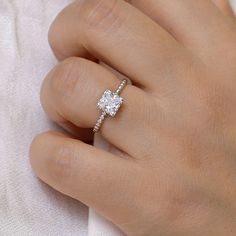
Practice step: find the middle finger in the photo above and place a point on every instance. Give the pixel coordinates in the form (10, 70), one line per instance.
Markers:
(122, 36)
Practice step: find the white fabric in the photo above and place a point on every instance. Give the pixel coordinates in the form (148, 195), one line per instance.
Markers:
(233, 3)
(27, 206)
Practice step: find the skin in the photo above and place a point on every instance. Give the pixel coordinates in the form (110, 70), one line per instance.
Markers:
(171, 169)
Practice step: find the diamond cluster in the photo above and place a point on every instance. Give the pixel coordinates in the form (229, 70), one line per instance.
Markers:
(110, 103)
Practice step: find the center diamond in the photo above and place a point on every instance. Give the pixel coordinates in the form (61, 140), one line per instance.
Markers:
(110, 103)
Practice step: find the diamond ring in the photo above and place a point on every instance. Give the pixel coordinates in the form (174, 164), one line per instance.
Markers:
(109, 104)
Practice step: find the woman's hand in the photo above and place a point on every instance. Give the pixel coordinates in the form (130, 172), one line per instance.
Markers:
(172, 166)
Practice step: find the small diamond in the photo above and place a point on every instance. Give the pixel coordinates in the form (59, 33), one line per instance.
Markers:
(110, 102)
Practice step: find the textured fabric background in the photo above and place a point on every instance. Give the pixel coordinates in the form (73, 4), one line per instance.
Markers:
(27, 206)
(233, 3)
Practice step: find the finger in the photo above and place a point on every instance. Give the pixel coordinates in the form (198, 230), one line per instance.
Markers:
(71, 92)
(95, 177)
(225, 7)
(199, 25)
(117, 33)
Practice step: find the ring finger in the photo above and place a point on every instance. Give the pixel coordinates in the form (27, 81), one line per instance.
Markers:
(71, 91)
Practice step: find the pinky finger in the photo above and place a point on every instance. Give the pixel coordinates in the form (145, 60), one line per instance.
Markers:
(97, 178)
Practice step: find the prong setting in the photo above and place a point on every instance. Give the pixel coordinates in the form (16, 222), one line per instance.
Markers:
(109, 104)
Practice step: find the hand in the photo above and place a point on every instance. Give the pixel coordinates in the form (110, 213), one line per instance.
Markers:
(172, 166)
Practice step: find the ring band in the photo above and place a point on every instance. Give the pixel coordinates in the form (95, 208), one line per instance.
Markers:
(109, 104)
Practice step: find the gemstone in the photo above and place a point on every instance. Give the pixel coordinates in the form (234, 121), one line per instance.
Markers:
(110, 103)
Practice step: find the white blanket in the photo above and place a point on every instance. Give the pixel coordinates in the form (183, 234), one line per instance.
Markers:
(28, 206)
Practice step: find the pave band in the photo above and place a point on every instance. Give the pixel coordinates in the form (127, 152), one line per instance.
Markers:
(109, 104)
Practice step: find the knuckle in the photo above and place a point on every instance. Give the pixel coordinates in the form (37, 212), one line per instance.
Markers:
(55, 36)
(62, 165)
(65, 78)
(41, 141)
(52, 39)
(103, 15)
(36, 144)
